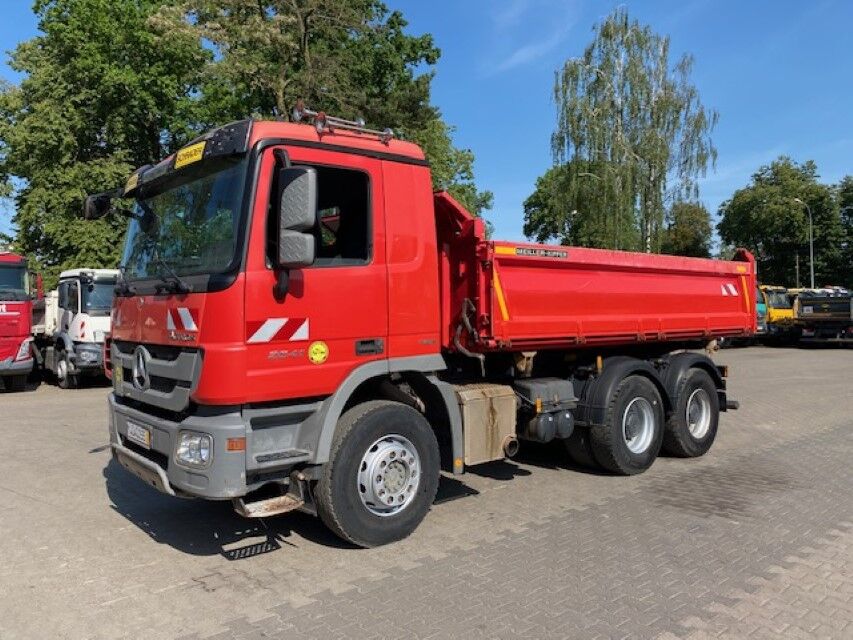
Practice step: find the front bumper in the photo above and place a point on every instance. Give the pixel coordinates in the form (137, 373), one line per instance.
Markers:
(9, 367)
(88, 357)
(224, 477)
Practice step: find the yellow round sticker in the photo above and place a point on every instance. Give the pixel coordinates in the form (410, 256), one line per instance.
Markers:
(318, 352)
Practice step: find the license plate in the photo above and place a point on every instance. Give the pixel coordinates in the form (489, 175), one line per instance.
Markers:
(139, 435)
(808, 310)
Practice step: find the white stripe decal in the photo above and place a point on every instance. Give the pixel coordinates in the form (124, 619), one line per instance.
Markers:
(187, 319)
(267, 330)
(301, 332)
(723, 290)
(170, 323)
(732, 289)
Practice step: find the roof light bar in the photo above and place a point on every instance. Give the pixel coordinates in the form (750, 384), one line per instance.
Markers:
(324, 123)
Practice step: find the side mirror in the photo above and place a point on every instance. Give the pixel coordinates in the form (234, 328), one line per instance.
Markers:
(97, 206)
(297, 198)
(297, 216)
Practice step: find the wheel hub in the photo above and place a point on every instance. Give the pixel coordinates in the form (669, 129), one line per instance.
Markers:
(698, 413)
(638, 425)
(389, 475)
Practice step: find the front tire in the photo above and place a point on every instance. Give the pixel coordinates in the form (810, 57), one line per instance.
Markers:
(630, 438)
(64, 378)
(692, 427)
(382, 474)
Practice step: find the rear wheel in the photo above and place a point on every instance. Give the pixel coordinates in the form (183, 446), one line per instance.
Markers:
(692, 427)
(630, 438)
(382, 474)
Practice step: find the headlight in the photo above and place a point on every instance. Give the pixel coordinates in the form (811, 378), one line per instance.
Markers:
(24, 350)
(194, 449)
(88, 356)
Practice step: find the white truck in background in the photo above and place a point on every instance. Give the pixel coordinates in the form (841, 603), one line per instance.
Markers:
(69, 330)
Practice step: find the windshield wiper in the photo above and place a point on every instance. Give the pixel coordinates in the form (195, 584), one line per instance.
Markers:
(172, 282)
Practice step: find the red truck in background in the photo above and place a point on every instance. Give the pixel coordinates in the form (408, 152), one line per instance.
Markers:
(301, 323)
(16, 317)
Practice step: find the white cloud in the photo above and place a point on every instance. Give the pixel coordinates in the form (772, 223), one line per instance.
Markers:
(529, 52)
(524, 17)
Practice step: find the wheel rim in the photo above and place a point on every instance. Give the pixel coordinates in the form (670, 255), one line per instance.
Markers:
(638, 425)
(698, 413)
(388, 475)
(62, 369)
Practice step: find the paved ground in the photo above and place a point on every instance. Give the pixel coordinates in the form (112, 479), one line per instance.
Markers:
(754, 540)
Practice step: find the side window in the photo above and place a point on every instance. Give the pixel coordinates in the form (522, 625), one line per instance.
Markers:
(62, 296)
(343, 203)
(343, 230)
(73, 297)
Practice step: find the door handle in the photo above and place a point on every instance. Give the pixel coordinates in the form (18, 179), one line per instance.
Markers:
(369, 347)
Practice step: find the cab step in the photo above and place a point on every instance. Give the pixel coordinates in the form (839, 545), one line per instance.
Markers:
(268, 507)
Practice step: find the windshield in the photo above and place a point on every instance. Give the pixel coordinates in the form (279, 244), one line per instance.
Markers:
(778, 300)
(14, 284)
(98, 296)
(191, 227)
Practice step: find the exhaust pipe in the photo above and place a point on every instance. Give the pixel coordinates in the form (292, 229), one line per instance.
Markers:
(510, 446)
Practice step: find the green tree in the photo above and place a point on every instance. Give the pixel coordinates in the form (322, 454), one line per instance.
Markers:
(110, 85)
(351, 58)
(563, 208)
(845, 205)
(102, 93)
(625, 110)
(688, 231)
(766, 218)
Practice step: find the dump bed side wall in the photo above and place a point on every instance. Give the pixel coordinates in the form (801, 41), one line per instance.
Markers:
(545, 296)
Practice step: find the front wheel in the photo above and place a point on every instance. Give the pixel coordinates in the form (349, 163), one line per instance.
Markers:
(630, 438)
(692, 427)
(64, 378)
(382, 474)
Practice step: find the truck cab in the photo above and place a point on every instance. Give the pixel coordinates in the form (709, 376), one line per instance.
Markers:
(77, 318)
(760, 314)
(780, 312)
(16, 308)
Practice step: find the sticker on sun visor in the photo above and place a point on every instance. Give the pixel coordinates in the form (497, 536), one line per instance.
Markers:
(131, 183)
(190, 154)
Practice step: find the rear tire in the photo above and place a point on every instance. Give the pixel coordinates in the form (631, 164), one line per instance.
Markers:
(692, 427)
(382, 451)
(630, 438)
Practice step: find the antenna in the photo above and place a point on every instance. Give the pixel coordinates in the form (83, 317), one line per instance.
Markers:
(327, 124)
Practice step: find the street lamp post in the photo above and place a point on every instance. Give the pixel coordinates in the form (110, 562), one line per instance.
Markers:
(811, 239)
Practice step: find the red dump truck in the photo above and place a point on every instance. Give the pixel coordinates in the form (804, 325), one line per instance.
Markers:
(16, 316)
(301, 323)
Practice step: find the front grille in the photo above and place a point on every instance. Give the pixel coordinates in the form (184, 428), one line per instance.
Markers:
(173, 374)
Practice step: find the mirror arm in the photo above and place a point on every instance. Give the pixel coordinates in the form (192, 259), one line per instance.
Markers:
(282, 284)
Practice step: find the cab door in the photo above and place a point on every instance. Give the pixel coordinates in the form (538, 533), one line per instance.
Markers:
(334, 317)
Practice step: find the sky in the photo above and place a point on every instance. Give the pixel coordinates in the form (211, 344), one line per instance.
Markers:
(780, 73)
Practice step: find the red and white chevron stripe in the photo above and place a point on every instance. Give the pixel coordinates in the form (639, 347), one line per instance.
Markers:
(728, 290)
(279, 330)
(185, 317)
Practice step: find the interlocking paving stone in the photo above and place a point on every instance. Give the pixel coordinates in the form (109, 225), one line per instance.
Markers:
(753, 540)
